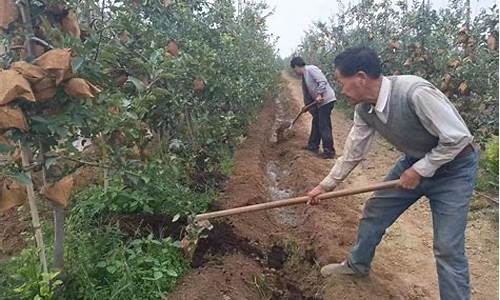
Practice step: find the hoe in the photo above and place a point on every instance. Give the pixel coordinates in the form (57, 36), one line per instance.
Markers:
(200, 222)
(286, 127)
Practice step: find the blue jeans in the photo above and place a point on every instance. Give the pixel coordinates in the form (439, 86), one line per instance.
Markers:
(449, 192)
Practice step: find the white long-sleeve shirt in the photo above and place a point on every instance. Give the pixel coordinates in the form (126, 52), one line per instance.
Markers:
(437, 115)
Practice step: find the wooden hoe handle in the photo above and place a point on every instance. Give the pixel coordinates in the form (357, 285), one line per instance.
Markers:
(300, 113)
(294, 201)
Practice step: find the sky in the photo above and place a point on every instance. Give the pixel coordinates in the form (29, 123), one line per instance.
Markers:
(293, 17)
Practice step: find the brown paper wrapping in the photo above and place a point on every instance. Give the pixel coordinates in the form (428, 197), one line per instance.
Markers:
(80, 88)
(12, 117)
(14, 86)
(60, 191)
(12, 194)
(57, 62)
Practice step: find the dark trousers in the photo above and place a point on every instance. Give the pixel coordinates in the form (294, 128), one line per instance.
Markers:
(321, 128)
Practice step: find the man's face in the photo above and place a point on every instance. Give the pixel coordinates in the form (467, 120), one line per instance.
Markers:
(353, 87)
(299, 70)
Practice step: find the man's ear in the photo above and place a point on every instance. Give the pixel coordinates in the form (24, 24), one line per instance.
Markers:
(362, 75)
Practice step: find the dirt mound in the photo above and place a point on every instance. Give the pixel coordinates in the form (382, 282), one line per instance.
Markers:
(160, 226)
(222, 240)
(276, 257)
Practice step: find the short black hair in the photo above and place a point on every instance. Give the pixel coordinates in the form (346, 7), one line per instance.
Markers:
(353, 60)
(297, 61)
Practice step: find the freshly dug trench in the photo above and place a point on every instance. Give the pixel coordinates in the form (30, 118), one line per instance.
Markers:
(285, 131)
(219, 241)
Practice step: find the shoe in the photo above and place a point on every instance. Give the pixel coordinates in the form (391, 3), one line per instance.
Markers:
(340, 269)
(327, 155)
(315, 151)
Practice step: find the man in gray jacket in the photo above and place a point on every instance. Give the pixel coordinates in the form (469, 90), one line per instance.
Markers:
(439, 162)
(316, 88)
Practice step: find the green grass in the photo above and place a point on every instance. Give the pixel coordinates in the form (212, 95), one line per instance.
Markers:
(488, 172)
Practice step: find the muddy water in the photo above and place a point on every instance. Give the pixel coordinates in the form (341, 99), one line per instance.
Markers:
(275, 172)
(282, 215)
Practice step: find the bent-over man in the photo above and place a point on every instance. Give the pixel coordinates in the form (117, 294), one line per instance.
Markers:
(438, 162)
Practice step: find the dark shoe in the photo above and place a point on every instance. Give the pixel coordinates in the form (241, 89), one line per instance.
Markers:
(315, 151)
(327, 155)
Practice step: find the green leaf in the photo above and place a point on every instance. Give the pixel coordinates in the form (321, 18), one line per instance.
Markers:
(139, 85)
(172, 273)
(157, 275)
(22, 178)
(57, 282)
(148, 209)
(132, 178)
(50, 161)
(111, 269)
(101, 264)
(44, 291)
(136, 242)
(70, 147)
(40, 119)
(76, 63)
(176, 217)
(146, 179)
(156, 242)
(62, 131)
(5, 148)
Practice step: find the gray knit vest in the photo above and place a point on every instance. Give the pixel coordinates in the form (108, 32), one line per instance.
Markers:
(403, 128)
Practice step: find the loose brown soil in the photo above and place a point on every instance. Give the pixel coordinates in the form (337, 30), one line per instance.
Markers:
(13, 226)
(160, 226)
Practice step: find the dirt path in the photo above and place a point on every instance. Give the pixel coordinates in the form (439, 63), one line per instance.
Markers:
(301, 239)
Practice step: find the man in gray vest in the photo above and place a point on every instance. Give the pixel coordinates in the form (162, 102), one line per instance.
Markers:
(439, 162)
(316, 88)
